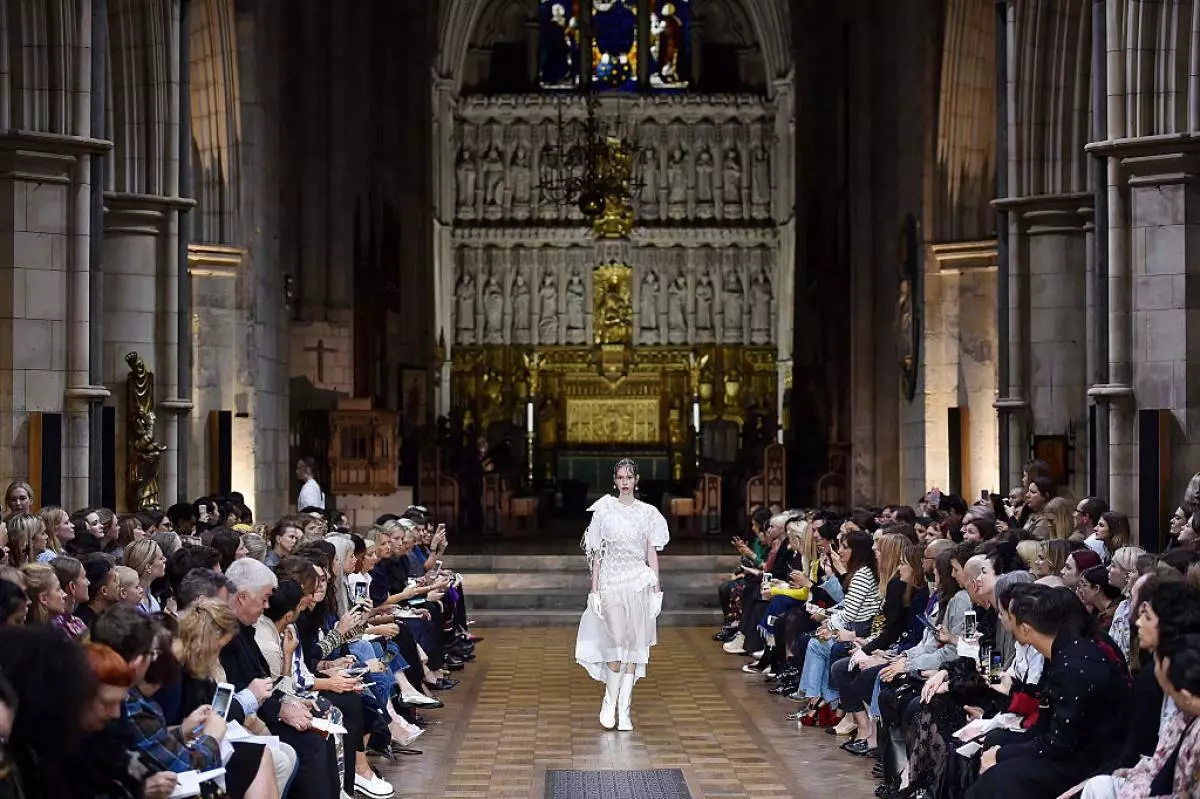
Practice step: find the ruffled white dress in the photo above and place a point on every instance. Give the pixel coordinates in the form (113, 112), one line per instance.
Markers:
(618, 539)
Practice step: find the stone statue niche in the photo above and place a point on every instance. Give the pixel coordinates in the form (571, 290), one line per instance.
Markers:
(144, 454)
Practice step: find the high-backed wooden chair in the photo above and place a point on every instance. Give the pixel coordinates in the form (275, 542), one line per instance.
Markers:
(769, 487)
(437, 490)
(704, 506)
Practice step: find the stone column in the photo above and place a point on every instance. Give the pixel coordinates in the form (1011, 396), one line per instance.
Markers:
(141, 314)
(1054, 243)
(1154, 332)
(44, 300)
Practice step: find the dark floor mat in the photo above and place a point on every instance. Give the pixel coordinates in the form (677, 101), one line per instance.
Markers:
(663, 783)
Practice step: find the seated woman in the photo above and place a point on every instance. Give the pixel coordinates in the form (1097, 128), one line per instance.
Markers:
(195, 743)
(1099, 596)
(853, 677)
(852, 620)
(783, 597)
(321, 640)
(1174, 770)
(1084, 690)
(947, 695)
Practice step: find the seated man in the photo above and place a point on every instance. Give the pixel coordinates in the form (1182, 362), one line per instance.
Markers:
(287, 717)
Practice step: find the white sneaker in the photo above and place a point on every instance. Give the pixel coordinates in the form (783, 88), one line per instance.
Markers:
(374, 787)
(758, 654)
(734, 645)
(420, 699)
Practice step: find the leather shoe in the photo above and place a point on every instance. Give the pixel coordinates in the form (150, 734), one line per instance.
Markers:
(453, 665)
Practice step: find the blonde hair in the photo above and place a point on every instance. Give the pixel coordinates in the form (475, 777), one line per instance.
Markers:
(1029, 549)
(141, 554)
(52, 516)
(197, 645)
(1058, 513)
(22, 529)
(39, 578)
(14, 485)
(125, 576)
(891, 551)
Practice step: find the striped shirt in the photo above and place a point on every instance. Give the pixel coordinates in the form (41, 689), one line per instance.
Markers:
(862, 599)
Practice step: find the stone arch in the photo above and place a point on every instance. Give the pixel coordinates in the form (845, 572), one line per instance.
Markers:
(140, 97)
(964, 170)
(46, 66)
(1158, 45)
(463, 21)
(1051, 41)
(216, 122)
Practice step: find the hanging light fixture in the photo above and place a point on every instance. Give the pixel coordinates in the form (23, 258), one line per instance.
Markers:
(595, 167)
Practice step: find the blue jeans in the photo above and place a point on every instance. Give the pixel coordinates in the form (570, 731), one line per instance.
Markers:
(382, 682)
(814, 679)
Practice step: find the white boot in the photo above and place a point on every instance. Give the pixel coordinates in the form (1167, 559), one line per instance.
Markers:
(624, 698)
(608, 708)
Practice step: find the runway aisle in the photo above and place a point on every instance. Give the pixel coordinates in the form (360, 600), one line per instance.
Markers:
(524, 707)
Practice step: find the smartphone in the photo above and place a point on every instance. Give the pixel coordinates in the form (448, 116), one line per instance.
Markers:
(356, 671)
(971, 623)
(222, 699)
(437, 567)
(360, 590)
(927, 622)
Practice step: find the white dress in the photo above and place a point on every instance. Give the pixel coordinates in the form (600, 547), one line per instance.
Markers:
(618, 539)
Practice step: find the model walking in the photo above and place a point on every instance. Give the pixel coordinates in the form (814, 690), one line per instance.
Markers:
(618, 627)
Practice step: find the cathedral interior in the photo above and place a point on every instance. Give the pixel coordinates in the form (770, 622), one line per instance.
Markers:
(866, 248)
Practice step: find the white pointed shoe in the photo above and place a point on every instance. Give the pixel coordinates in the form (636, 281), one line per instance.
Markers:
(734, 645)
(608, 708)
(624, 699)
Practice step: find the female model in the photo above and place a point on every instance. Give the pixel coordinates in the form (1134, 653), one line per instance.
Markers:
(618, 627)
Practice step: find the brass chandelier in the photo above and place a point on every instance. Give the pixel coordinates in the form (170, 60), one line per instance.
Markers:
(595, 167)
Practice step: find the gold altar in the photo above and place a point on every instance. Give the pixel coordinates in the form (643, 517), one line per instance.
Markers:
(611, 392)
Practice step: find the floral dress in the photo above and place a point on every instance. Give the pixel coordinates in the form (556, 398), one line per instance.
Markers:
(617, 543)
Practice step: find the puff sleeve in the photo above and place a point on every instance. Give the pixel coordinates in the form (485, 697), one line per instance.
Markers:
(657, 530)
(593, 536)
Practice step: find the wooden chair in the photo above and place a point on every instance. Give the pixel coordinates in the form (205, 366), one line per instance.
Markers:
(437, 490)
(704, 505)
(769, 487)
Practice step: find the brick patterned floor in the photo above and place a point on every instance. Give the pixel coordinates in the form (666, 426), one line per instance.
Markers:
(524, 707)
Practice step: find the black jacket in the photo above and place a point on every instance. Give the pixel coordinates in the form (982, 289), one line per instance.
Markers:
(243, 662)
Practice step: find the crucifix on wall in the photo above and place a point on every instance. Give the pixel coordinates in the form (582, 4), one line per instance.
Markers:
(321, 350)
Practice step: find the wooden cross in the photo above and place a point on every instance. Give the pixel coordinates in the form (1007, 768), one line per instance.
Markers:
(320, 350)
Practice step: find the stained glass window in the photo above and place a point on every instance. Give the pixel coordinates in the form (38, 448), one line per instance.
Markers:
(558, 62)
(614, 38)
(614, 44)
(670, 44)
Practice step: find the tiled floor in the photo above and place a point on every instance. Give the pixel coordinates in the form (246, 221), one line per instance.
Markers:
(524, 707)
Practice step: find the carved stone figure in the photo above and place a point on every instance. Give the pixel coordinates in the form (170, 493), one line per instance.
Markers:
(493, 182)
(612, 320)
(731, 187)
(760, 307)
(522, 182)
(493, 310)
(677, 310)
(548, 309)
(464, 297)
(704, 306)
(677, 178)
(465, 174)
(733, 308)
(650, 178)
(704, 182)
(520, 308)
(648, 308)
(760, 189)
(575, 296)
(144, 453)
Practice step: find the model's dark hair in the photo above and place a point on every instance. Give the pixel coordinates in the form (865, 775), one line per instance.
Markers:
(1177, 606)
(623, 463)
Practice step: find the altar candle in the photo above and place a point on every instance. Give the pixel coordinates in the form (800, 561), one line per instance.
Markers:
(529, 415)
(696, 415)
